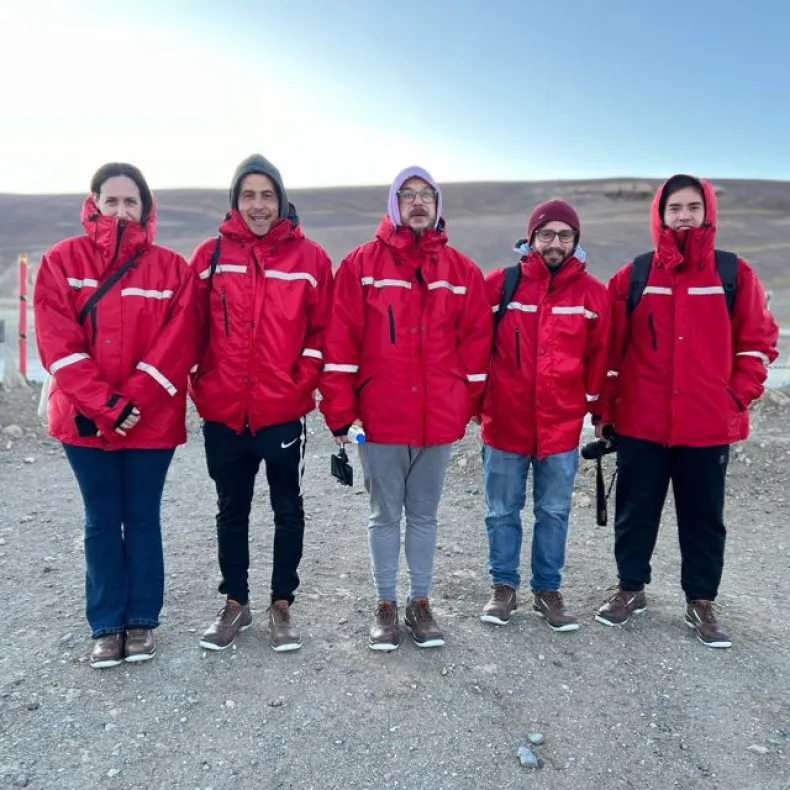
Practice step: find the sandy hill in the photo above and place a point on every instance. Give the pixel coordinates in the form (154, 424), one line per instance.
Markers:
(483, 220)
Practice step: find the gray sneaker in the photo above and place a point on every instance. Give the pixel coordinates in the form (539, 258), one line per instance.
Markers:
(231, 619)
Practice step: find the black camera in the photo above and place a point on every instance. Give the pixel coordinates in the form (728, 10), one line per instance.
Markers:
(592, 451)
(341, 468)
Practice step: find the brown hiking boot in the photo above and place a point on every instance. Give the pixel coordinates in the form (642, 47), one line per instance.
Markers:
(500, 606)
(619, 608)
(139, 645)
(231, 619)
(701, 616)
(385, 631)
(551, 606)
(107, 652)
(420, 623)
(283, 635)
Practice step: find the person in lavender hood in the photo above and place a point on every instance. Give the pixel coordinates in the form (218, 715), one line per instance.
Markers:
(406, 357)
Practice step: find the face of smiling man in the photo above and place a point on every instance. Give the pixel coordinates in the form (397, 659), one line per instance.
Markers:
(259, 204)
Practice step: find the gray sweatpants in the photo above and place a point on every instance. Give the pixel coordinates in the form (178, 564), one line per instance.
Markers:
(399, 477)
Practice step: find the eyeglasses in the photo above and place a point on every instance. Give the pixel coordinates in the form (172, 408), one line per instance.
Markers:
(565, 236)
(408, 195)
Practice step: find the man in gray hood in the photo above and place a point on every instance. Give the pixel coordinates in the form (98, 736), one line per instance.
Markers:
(265, 296)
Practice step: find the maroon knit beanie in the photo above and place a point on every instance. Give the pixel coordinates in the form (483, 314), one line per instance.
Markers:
(553, 211)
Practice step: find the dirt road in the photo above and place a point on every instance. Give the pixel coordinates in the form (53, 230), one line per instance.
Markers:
(646, 707)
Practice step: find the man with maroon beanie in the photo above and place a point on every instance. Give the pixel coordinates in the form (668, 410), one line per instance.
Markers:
(548, 361)
(684, 365)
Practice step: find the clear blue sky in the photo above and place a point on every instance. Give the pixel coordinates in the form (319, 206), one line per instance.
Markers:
(347, 92)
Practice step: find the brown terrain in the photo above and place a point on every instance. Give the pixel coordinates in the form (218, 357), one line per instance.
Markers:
(645, 707)
(483, 220)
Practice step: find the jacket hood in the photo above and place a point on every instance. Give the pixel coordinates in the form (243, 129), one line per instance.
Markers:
(393, 206)
(259, 164)
(118, 239)
(405, 240)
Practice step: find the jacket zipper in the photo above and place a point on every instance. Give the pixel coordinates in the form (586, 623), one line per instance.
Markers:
(224, 312)
(93, 314)
(118, 235)
(652, 326)
(518, 348)
(392, 324)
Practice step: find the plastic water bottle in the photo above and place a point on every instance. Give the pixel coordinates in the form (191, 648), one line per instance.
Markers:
(356, 434)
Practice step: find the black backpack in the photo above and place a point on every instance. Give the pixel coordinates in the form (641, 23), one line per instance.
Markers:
(726, 266)
(509, 288)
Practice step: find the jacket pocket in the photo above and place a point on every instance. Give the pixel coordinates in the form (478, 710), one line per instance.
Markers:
(391, 314)
(652, 324)
(518, 349)
(363, 384)
(224, 312)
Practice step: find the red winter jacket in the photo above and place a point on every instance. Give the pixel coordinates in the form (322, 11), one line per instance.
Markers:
(682, 371)
(408, 343)
(263, 315)
(549, 358)
(137, 346)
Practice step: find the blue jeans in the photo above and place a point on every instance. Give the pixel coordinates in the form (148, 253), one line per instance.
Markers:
(124, 562)
(505, 477)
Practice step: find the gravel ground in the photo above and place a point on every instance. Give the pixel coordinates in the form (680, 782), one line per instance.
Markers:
(642, 707)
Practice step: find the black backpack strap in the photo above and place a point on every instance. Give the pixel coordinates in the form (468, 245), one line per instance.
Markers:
(727, 267)
(99, 293)
(640, 271)
(509, 288)
(212, 267)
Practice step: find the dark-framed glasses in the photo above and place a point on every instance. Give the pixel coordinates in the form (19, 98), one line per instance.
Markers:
(427, 195)
(546, 236)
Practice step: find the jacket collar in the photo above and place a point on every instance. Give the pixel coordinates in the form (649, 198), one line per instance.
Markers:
(117, 240)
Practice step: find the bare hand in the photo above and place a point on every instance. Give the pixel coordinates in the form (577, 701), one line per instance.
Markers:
(129, 422)
(341, 440)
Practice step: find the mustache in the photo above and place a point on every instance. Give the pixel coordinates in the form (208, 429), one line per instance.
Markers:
(418, 212)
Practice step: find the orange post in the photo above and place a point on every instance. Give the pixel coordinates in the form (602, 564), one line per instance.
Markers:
(23, 314)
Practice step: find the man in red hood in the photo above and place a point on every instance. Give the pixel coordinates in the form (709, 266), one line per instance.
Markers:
(406, 356)
(264, 294)
(682, 373)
